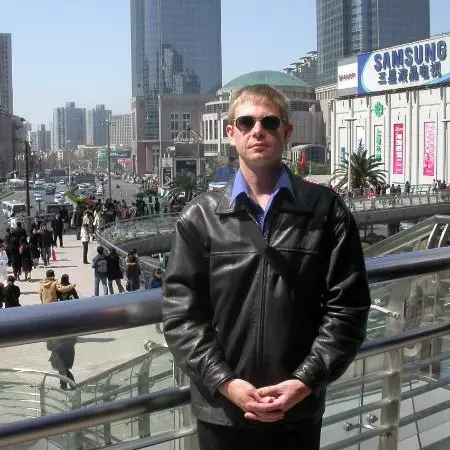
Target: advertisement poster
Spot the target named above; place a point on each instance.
(186, 166)
(342, 145)
(429, 148)
(398, 148)
(360, 144)
(166, 176)
(378, 142)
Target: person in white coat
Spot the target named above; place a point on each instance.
(3, 264)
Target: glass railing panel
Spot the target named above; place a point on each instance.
(408, 303)
(108, 366)
(426, 388)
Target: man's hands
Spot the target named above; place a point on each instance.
(266, 404)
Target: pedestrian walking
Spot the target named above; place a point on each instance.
(62, 358)
(3, 264)
(84, 235)
(67, 295)
(11, 293)
(50, 288)
(100, 266)
(114, 271)
(45, 244)
(27, 259)
(133, 272)
(156, 281)
(58, 229)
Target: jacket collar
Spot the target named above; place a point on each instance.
(296, 204)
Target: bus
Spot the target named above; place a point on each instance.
(19, 209)
(17, 183)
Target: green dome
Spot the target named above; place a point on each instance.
(271, 77)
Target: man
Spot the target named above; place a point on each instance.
(50, 288)
(45, 243)
(100, 266)
(58, 228)
(261, 335)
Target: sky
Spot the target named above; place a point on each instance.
(66, 50)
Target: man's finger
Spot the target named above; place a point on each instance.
(268, 417)
(261, 407)
(268, 391)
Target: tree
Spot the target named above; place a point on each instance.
(365, 170)
(186, 184)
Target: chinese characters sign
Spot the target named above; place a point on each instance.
(398, 148)
(378, 142)
(404, 66)
(429, 148)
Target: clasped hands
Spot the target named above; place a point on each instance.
(266, 404)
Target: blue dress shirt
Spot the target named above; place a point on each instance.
(240, 188)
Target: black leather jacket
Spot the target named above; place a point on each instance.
(228, 314)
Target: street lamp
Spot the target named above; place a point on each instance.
(349, 152)
(107, 123)
(445, 168)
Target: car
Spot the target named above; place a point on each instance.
(37, 197)
(62, 182)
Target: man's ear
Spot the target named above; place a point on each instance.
(230, 133)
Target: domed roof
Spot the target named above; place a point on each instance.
(271, 77)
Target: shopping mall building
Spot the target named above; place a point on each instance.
(394, 102)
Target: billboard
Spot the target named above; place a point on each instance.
(429, 148)
(185, 166)
(166, 176)
(348, 76)
(405, 66)
(378, 142)
(398, 148)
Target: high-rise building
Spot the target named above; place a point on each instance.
(69, 127)
(6, 87)
(43, 138)
(96, 131)
(349, 27)
(120, 131)
(176, 49)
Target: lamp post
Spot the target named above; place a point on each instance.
(107, 123)
(349, 152)
(445, 168)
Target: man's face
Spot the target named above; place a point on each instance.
(259, 147)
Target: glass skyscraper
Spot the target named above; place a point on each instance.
(349, 27)
(175, 48)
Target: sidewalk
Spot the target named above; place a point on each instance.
(94, 353)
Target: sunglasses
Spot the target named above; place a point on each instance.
(246, 123)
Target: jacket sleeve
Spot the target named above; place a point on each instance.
(64, 289)
(187, 311)
(345, 304)
(40, 293)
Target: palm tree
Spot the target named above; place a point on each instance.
(365, 171)
(187, 184)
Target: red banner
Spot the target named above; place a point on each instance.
(398, 149)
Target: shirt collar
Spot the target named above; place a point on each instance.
(240, 186)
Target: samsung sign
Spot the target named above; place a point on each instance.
(348, 76)
(405, 66)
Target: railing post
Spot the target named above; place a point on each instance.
(392, 390)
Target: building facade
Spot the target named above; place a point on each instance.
(350, 27)
(43, 138)
(176, 49)
(6, 85)
(395, 103)
(69, 127)
(96, 130)
(120, 131)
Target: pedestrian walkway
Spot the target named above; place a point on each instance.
(94, 353)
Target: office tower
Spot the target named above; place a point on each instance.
(349, 27)
(6, 90)
(96, 131)
(120, 131)
(69, 127)
(176, 49)
(42, 142)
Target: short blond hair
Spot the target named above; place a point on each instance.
(262, 93)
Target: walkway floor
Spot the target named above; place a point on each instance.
(94, 353)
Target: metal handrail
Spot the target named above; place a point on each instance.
(38, 323)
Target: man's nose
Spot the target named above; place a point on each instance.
(258, 129)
